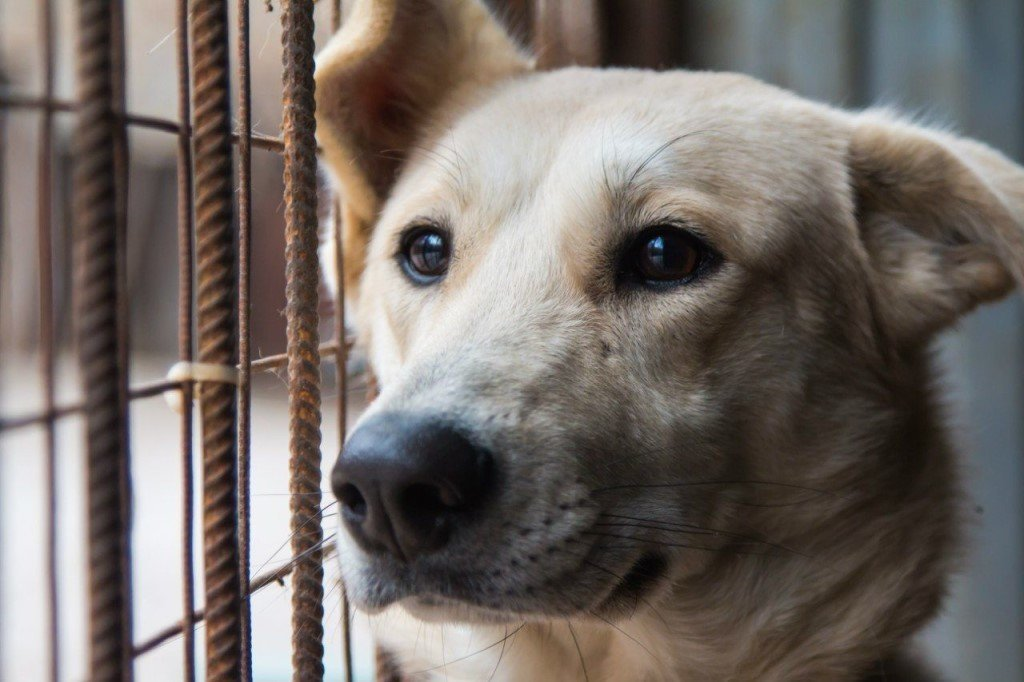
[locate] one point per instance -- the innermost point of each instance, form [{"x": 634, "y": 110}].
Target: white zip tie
[{"x": 197, "y": 373}]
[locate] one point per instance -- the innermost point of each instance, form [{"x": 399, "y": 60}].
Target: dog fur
[{"x": 771, "y": 430}]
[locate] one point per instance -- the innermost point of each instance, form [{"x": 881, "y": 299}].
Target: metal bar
[
  {"x": 341, "y": 371},
  {"x": 44, "y": 227},
  {"x": 244, "y": 326},
  {"x": 264, "y": 579},
  {"x": 3, "y": 284},
  {"x": 150, "y": 389},
  {"x": 259, "y": 141},
  {"x": 341, "y": 363},
  {"x": 146, "y": 390},
  {"x": 215, "y": 250},
  {"x": 99, "y": 352},
  {"x": 186, "y": 341},
  {"x": 119, "y": 98},
  {"x": 302, "y": 296}
]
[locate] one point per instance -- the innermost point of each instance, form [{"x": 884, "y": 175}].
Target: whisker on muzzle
[
  {"x": 470, "y": 655},
  {"x": 675, "y": 527},
  {"x": 677, "y": 545}
]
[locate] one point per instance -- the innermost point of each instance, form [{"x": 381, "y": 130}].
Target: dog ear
[
  {"x": 381, "y": 85},
  {"x": 942, "y": 219}
]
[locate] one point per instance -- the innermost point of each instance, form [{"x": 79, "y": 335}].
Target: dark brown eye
[
  {"x": 425, "y": 255},
  {"x": 666, "y": 254}
]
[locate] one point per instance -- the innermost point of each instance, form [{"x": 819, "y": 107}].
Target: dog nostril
[
  {"x": 353, "y": 501},
  {"x": 425, "y": 501}
]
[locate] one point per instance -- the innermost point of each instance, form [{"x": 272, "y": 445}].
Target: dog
[{"x": 657, "y": 400}]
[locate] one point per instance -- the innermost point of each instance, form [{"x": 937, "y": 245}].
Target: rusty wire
[
  {"x": 216, "y": 308},
  {"x": 57, "y": 105},
  {"x": 302, "y": 272},
  {"x": 186, "y": 340},
  {"x": 205, "y": 232},
  {"x": 244, "y": 330},
  {"x": 341, "y": 364},
  {"x": 44, "y": 234},
  {"x": 98, "y": 333}
]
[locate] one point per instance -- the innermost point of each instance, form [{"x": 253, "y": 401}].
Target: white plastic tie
[{"x": 197, "y": 373}]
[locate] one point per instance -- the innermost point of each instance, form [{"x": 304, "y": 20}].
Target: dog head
[{"x": 643, "y": 334}]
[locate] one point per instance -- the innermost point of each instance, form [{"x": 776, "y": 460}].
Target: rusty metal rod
[
  {"x": 44, "y": 228},
  {"x": 265, "y": 579},
  {"x": 99, "y": 352},
  {"x": 302, "y": 295},
  {"x": 151, "y": 389},
  {"x": 121, "y": 154},
  {"x": 186, "y": 340},
  {"x": 146, "y": 390},
  {"x": 217, "y": 317},
  {"x": 341, "y": 369},
  {"x": 9, "y": 101},
  {"x": 244, "y": 326},
  {"x": 341, "y": 348},
  {"x": 3, "y": 283}
]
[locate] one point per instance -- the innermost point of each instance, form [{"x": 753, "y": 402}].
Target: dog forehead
[{"x": 561, "y": 147}]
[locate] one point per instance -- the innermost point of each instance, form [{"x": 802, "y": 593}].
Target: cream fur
[{"x": 771, "y": 429}]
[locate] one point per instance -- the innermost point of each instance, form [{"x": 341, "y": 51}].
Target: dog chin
[{"x": 432, "y": 609}]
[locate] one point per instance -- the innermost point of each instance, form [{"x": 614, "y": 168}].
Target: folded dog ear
[
  {"x": 382, "y": 83},
  {"x": 942, "y": 219}
]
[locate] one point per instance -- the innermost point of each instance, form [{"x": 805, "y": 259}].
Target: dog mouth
[{"x": 582, "y": 589}]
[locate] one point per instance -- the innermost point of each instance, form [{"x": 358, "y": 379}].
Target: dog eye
[
  {"x": 666, "y": 254},
  {"x": 425, "y": 254}
]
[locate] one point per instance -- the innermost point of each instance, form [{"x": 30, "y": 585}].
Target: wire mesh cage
[
  {"x": 216, "y": 364},
  {"x": 211, "y": 384}
]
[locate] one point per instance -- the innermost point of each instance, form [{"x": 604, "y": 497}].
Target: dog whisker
[
  {"x": 661, "y": 543},
  {"x": 673, "y": 527},
  {"x": 318, "y": 517},
  {"x": 470, "y": 655},
  {"x": 737, "y": 482},
  {"x": 501, "y": 655},
  {"x": 579, "y": 651},
  {"x": 624, "y": 634}
]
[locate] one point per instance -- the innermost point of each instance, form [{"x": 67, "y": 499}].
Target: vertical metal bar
[
  {"x": 303, "y": 339},
  {"x": 44, "y": 227},
  {"x": 3, "y": 284},
  {"x": 341, "y": 364},
  {"x": 244, "y": 327},
  {"x": 119, "y": 92},
  {"x": 99, "y": 352},
  {"x": 217, "y": 311},
  {"x": 186, "y": 318}
]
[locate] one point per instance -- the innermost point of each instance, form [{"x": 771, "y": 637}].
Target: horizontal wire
[
  {"x": 265, "y": 579},
  {"x": 151, "y": 389},
  {"x": 14, "y": 101}
]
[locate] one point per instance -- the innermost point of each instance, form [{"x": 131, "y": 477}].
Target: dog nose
[{"x": 405, "y": 482}]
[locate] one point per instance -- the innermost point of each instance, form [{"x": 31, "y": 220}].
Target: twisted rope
[
  {"x": 215, "y": 260},
  {"x": 99, "y": 345},
  {"x": 303, "y": 339}
]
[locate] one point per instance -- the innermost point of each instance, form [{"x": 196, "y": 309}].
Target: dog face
[{"x": 638, "y": 334}]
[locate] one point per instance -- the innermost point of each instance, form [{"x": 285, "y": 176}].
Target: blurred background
[{"x": 955, "y": 63}]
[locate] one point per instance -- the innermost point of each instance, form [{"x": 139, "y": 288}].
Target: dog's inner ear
[
  {"x": 942, "y": 220},
  {"x": 390, "y": 77}
]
